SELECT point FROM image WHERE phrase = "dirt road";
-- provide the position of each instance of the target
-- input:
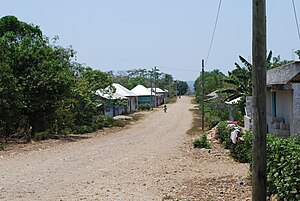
(148, 161)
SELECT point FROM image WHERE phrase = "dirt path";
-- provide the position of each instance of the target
(151, 160)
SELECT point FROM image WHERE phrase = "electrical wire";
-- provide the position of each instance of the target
(295, 13)
(214, 31)
(180, 69)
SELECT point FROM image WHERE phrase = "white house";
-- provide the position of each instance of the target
(111, 107)
(144, 95)
(132, 97)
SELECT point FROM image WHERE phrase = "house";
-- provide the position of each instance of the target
(113, 103)
(144, 95)
(283, 100)
(132, 97)
(161, 95)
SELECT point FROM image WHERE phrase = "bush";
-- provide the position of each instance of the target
(42, 136)
(283, 166)
(120, 122)
(144, 106)
(109, 122)
(2, 148)
(242, 150)
(201, 143)
(214, 120)
(223, 133)
(83, 129)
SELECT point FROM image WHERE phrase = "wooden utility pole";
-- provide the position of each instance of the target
(151, 98)
(203, 95)
(259, 90)
(155, 79)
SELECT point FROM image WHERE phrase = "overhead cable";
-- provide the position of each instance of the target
(295, 13)
(214, 31)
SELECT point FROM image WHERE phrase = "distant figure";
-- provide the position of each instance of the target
(165, 108)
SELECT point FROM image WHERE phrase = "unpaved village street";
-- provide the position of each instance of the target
(149, 160)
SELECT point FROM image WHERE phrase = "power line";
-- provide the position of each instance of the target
(295, 13)
(180, 69)
(214, 31)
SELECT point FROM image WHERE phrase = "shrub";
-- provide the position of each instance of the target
(283, 167)
(223, 133)
(108, 122)
(2, 148)
(283, 164)
(242, 150)
(120, 122)
(201, 143)
(214, 120)
(84, 129)
(42, 136)
(144, 106)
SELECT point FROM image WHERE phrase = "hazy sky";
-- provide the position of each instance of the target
(173, 35)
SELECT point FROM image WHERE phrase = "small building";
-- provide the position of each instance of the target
(283, 100)
(113, 103)
(132, 97)
(161, 95)
(144, 95)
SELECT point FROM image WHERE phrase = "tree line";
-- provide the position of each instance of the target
(44, 91)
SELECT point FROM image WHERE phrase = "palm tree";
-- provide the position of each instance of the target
(240, 78)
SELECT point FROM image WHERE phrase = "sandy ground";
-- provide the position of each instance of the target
(150, 160)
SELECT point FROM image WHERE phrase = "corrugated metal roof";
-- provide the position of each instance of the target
(108, 95)
(158, 90)
(140, 90)
(123, 91)
(284, 74)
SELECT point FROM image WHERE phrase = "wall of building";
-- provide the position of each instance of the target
(145, 100)
(108, 111)
(284, 105)
(295, 129)
(269, 109)
(284, 109)
(132, 104)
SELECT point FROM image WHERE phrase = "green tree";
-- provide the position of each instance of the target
(84, 101)
(182, 87)
(39, 76)
(213, 80)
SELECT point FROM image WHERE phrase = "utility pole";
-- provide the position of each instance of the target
(151, 99)
(203, 95)
(176, 89)
(259, 89)
(155, 101)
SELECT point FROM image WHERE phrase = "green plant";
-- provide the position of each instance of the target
(214, 120)
(2, 148)
(120, 122)
(144, 106)
(283, 167)
(42, 136)
(223, 133)
(242, 150)
(202, 142)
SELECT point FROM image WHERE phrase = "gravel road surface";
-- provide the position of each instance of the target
(146, 161)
